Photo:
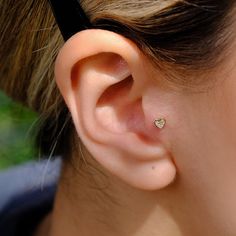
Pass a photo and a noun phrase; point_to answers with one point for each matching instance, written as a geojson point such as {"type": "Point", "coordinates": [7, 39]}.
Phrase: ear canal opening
{"type": "Point", "coordinates": [118, 112]}
{"type": "Point", "coordinates": [115, 108]}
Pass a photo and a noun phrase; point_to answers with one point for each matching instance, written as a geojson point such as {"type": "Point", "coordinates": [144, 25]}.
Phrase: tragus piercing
{"type": "Point", "coordinates": [160, 123]}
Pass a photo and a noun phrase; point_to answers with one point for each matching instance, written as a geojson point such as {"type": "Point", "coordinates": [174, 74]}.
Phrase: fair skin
{"type": "Point", "coordinates": [178, 181]}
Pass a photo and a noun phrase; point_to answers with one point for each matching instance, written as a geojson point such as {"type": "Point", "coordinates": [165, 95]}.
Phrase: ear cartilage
{"type": "Point", "coordinates": [160, 123]}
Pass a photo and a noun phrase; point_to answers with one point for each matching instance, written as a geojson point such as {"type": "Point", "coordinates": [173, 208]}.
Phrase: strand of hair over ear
{"type": "Point", "coordinates": [45, 169]}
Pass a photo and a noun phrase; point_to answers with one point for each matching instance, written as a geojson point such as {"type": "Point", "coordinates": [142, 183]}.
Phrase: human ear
{"type": "Point", "coordinates": [103, 81]}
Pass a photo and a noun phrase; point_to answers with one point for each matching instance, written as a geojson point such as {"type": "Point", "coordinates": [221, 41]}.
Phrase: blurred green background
{"type": "Point", "coordinates": [16, 142]}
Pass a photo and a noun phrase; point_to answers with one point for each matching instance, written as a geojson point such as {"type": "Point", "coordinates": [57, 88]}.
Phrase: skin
{"type": "Point", "coordinates": [182, 183]}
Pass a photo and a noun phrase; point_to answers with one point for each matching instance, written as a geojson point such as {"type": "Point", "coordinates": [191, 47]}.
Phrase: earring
{"type": "Point", "coordinates": [160, 123]}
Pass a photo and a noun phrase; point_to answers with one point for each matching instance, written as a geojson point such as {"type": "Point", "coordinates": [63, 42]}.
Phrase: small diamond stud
{"type": "Point", "coordinates": [160, 123]}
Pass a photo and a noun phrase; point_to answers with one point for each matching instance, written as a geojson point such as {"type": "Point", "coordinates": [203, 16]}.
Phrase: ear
{"type": "Point", "coordinates": [102, 78]}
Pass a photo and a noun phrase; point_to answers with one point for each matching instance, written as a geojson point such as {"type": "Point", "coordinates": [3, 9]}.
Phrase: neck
{"type": "Point", "coordinates": [88, 204]}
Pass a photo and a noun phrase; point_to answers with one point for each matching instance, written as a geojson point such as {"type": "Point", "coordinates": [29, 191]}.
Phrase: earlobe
{"type": "Point", "coordinates": [103, 84]}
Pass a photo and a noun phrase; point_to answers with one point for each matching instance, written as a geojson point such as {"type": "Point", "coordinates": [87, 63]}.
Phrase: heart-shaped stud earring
{"type": "Point", "coordinates": [160, 123]}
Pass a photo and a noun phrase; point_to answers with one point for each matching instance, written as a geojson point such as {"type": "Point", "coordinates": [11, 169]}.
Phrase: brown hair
{"type": "Point", "coordinates": [181, 35]}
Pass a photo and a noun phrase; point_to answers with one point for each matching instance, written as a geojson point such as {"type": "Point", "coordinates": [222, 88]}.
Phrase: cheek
{"type": "Point", "coordinates": [205, 153]}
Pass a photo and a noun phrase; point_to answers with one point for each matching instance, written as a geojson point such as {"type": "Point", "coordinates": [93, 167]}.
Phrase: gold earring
{"type": "Point", "coordinates": [160, 123]}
